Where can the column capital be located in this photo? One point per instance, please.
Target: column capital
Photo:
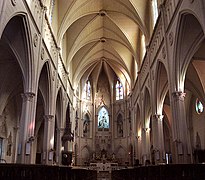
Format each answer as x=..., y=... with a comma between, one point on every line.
x=158, y=117
x=146, y=129
x=179, y=95
x=28, y=96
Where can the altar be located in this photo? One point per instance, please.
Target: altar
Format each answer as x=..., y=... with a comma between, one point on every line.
x=103, y=167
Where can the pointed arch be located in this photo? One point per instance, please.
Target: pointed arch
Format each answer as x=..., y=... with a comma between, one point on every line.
x=19, y=41
x=59, y=108
x=188, y=41
x=86, y=125
x=44, y=85
x=147, y=107
x=103, y=118
x=161, y=86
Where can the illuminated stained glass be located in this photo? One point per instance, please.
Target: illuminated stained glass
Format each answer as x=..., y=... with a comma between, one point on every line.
x=87, y=90
x=52, y=4
x=199, y=106
x=119, y=90
x=103, y=118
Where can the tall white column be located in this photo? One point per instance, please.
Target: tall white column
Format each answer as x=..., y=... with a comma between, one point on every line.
x=181, y=139
x=145, y=144
x=15, y=145
x=58, y=149
x=25, y=127
x=48, y=139
x=158, y=137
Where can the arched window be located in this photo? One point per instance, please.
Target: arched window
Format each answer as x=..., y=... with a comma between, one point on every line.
x=199, y=106
x=119, y=90
x=51, y=9
x=154, y=11
x=103, y=119
x=87, y=91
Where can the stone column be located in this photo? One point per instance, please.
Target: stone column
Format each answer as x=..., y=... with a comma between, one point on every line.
x=147, y=133
x=59, y=146
x=15, y=145
x=47, y=140
x=145, y=144
x=181, y=139
x=26, y=126
x=158, y=137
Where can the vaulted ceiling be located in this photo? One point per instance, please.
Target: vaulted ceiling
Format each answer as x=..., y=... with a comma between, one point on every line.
x=98, y=34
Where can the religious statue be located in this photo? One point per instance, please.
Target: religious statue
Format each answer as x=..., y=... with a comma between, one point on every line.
x=198, y=141
x=9, y=145
x=85, y=127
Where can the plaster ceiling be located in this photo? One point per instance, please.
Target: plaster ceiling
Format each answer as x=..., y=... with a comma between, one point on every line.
x=102, y=34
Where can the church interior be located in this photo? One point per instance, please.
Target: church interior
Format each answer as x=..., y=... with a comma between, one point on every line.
x=102, y=85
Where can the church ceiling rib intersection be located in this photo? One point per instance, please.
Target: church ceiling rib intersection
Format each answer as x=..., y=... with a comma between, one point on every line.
x=102, y=33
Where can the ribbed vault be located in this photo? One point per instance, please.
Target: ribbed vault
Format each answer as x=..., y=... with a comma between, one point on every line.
x=102, y=34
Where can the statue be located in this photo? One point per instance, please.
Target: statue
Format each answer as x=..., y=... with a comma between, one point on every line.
x=198, y=141
x=9, y=145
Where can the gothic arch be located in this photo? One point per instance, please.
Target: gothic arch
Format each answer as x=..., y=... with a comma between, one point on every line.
x=106, y=107
x=120, y=151
x=44, y=85
x=161, y=86
x=15, y=58
x=59, y=108
x=86, y=153
x=147, y=108
x=22, y=50
x=102, y=117
x=167, y=133
x=86, y=125
x=188, y=41
x=138, y=121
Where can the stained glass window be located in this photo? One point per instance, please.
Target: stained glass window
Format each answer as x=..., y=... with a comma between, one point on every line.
x=52, y=4
x=103, y=118
x=119, y=90
x=199, y=106
x=87, y=90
